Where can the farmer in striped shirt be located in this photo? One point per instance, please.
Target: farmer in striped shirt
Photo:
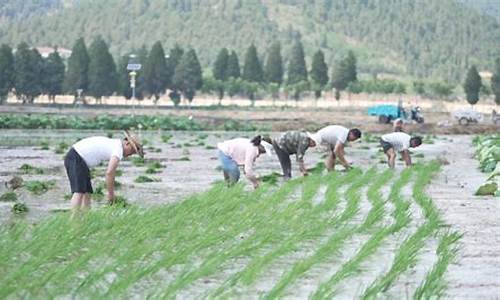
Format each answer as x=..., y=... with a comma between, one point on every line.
x=399, y=142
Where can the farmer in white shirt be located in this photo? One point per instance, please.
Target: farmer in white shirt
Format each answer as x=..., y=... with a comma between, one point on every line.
x=240, y=152
x=90, y=152
x=334, y=138
x=399, y=142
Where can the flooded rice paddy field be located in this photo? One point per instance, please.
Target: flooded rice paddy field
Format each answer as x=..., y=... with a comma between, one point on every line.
x=190, y=164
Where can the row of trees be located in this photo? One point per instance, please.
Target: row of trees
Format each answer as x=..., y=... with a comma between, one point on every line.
x=95, y=72
x=473, y=84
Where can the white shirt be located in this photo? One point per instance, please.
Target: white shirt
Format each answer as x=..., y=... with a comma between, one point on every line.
x=242, y=151
x=97, y=149
x=332, y=135
x=399, y=140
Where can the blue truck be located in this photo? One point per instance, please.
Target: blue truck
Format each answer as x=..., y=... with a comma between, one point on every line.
x=387, y=113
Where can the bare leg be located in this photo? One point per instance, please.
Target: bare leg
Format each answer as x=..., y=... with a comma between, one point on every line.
x=391, y=156
x=76, y=201
x=330, y=161
x=226, y=177
x=86, y=201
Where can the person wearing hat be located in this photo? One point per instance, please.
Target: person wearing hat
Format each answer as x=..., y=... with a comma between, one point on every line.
x=334, y=138
x=240, y=152
x=292, y=142
x=90, y=152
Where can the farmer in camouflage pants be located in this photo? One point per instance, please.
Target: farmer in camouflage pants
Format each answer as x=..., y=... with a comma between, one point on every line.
x=292, y=142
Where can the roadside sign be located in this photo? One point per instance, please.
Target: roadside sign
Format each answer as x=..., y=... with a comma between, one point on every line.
x=134, y=67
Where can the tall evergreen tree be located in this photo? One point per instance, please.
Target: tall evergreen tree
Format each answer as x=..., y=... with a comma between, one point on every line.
x=252, y=69
x=53, y=75
x=124, y=78
x=103, y=79
x=7, y=72
x=219, y=70
x=233, y=65
x=297, y=70
x=28, y=73
x=351, y=66
x=156, y=74
x=472, y=85
x=319, y=73
x=140, y=89
x=77, y=71
x=495, y=82
x=188, y=75
x=173, y=60
x=274, y=65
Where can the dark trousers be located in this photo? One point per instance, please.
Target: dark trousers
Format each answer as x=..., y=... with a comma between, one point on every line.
x=284, y=157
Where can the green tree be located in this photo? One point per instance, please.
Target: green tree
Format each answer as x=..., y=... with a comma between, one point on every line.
x=155, y=72
x=7, y=72
x=495, y=82
x=28, y=73
x=233, y=65
x=219, y=69
x=351, y=67
x=78, y=67
x=274, y=65
x=472, y=85
x=220, y=72
x=319, y=73
x=252, y=69
x=140, y=90
x=103, y=79
x=124, y=78
x=53, y=75
x=297, y=70
x=174, y=57
x=188, y=75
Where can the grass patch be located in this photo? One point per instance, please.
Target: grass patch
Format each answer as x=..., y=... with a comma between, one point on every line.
x=29, y=169
x=8, y=197
x=39, y=187
x=146, y=179
x=19, y=208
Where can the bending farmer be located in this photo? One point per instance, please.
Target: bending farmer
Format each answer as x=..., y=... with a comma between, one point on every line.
x=399, y=142
x=240, y=152
x=90, y=152
x=335, y=137
x=292, y=142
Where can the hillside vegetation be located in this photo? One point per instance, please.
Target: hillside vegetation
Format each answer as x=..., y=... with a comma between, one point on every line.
x=422, y=38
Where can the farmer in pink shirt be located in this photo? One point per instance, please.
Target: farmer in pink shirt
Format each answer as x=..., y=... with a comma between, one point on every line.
x=240, y=152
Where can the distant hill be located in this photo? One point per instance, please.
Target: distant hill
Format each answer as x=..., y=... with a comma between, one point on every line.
x=488, y=7
x=422, y=38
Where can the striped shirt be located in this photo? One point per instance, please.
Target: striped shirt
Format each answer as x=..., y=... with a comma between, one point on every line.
x=400, y=141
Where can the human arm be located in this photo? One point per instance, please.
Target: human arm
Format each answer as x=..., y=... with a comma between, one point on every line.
x=406, y=157
x=110, y=178
x=339, y=152
x=248, y=168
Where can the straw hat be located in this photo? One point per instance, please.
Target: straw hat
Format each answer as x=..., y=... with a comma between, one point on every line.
x=135, y=142
x=268, y=148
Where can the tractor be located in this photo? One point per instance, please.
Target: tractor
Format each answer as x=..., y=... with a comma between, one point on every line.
x=387, y=113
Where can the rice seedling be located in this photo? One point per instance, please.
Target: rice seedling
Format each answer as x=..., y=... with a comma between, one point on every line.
x=210, y=147
x=19, y=208
x=8, y=197
x=138, y=161
x=44, y=145
x=146, y=179
x=61, y=148
x=29, y=169
x=39, y=187
x=159, y=252
x=166, y=137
